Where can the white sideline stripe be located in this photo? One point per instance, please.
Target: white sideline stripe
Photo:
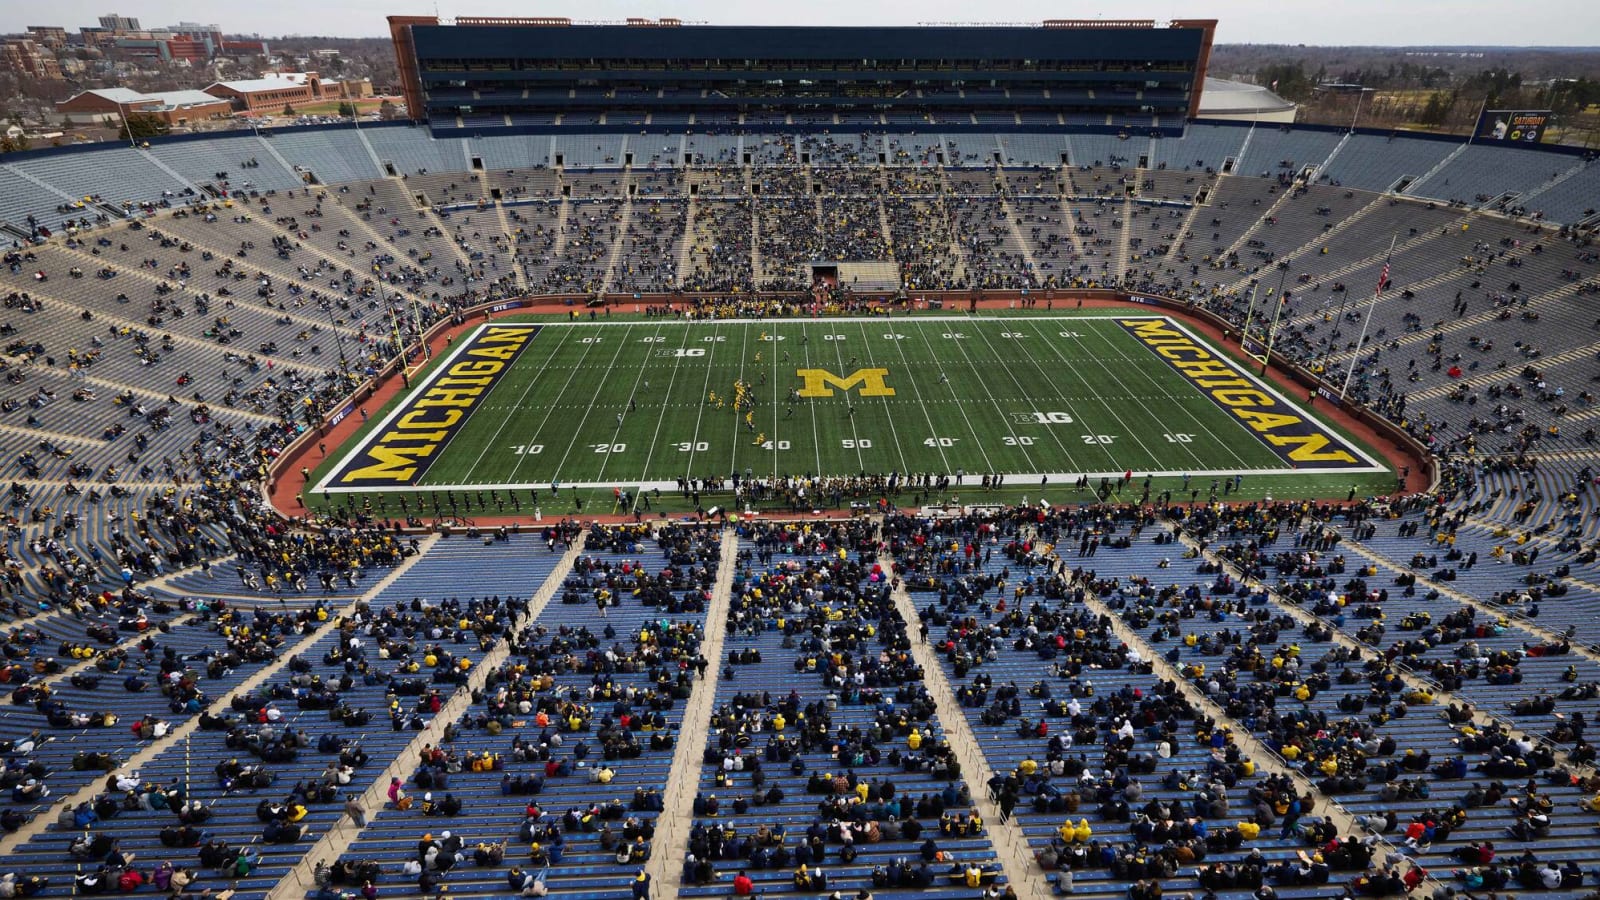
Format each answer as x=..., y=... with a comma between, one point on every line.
x=1052, y=478
x=1022, y=480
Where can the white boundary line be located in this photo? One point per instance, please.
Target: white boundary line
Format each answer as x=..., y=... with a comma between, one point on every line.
x=1048, y=478
x=1056, y=478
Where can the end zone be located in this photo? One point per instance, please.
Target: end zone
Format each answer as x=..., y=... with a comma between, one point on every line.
x=399, y=451
x=1296, y=437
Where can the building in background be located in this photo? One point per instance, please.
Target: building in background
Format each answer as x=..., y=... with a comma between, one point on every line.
x=269, y=94
x=176, y=108
x=24, y=58
x=115, y=23
x=246, y=47
x=50, y=36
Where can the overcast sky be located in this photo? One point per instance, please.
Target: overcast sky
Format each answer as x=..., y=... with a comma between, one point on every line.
x=1385, y=22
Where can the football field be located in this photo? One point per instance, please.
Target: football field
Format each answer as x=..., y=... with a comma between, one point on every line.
x=641, y=404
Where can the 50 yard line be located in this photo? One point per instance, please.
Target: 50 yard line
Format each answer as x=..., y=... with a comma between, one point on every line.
x=894, y=433
x=816, y=438
x=838, y=354
x=776, y=429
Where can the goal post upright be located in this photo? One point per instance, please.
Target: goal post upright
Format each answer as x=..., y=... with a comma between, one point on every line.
x=1249, y=317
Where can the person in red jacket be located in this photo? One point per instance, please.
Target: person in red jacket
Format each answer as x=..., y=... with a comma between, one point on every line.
x=742, y=885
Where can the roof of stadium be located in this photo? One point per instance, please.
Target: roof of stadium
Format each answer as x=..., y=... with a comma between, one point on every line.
x=1222, y=97
x=167, y=99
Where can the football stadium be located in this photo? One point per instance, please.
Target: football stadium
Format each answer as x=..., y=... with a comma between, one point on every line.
x=695, y=461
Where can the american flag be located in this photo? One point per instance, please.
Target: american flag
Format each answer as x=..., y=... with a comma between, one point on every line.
x=1383, y=278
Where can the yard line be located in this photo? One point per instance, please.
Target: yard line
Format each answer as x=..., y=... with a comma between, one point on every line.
x=577, y=431
x=777, y=431
x=655, y=438
x=1021, y=390
x=733, y=447
x=922, y=405
x=816, y=437
x=638, y=377
x=890, y=413
x=495, y=439
x=1109, y=408
x=1052, y=477
x=973, y=432
x=1070, y=409
x=838, y=353
x=1141, y=366
x=705, y=392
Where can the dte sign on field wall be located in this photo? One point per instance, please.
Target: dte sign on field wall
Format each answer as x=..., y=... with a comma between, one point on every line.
x=406, y=443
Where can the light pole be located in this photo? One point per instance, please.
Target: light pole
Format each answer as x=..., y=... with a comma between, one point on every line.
x=338, y=339
x=122, y=110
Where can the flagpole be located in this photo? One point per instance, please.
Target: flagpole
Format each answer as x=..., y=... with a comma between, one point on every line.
x=1482, y=108
x=1383, y=282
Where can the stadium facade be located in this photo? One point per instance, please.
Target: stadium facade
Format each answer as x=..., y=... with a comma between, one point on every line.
x=483, y=75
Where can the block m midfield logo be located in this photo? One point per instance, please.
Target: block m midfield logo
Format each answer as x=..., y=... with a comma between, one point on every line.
x=820, y=382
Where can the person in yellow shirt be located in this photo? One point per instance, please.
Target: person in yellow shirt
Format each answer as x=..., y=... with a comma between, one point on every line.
x=914, y=739
x=1249, y=830
x=1083, y=832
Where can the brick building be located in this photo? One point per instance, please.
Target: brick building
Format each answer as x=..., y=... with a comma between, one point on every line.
x=172, y=107
x=23, y=57
x=269, y=94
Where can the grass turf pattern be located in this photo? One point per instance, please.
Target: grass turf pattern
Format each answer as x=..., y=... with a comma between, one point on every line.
x=642, y=403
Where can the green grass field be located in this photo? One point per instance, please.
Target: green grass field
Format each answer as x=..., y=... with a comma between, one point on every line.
x=1052, y=398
